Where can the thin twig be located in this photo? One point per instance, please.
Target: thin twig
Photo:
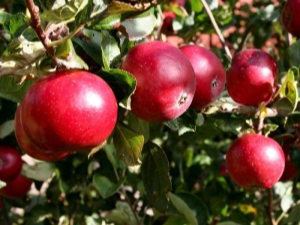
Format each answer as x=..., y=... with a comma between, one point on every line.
x=36, y=25
x=217, y=29
x=269, y=207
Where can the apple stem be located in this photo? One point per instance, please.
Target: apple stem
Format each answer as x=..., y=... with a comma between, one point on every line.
x=35, y=23
x=269, y=207
x=216, y=27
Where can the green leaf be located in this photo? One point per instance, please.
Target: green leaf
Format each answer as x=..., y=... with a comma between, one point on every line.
x=134, y=28
x=293, y=54
x=15, y=24
x=139, y=125
x=122, y=83
x=9, y=89
x=196, y=5
x=112, y=157
x=294, y=216
x=176, y=220
x=4, y=16
x=64, y=12
x=155, y=175
x=105, y=187
x=110, y=48
x=123, y=214
x=118, y=7
x=288, y=93
x=108, y=23
x=68, y=56
x=187, y=122
x=228, y=223
x=40, y=171
x=183, y=208
x=6, y=128
x=196, y=205
x=128, y=144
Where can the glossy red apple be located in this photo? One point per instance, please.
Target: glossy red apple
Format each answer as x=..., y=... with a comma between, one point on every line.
x=166, y=81
x=255, y=161
x=290, y=17
x=30, y=149
x=210, y=75
x=68, y=110
x=252, y=77
x=10, y=163
x=16, y=188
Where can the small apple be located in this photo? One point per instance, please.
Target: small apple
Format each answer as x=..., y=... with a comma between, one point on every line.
x=166, y=81
x=290, y=17
x=255, y=161
x=30, y=149
x=10, y=163
x=252, y=77
x=67, y=111
x=210, y=75
x=167, y=26
x=16, y=188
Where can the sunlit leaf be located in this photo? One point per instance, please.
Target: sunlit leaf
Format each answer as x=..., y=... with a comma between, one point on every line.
x=128, y=144
x=41, y=171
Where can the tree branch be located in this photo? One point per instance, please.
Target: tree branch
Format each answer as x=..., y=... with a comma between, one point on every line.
x=216, y=27
x=35, y=23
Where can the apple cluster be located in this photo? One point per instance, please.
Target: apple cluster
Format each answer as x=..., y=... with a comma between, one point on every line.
x=11, y=163
x=64, y=112
x=170, y=80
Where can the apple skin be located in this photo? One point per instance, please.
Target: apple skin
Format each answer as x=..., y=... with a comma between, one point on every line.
x=210, y=75
x=16, y=188
x=255, y=161
x=10, y=163
x=290, y=17
x=166, y=81
x=30, y=149
x=290, y=170
x=68, y=111
x=252, y=77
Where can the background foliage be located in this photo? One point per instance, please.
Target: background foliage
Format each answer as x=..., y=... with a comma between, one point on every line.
x=170, y=173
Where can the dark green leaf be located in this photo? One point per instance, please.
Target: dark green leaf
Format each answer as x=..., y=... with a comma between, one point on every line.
x=128, y=144
x=105, y=187
x=176, y=220
x=122, y=83
x=294, y=215
x=139, y=125
x=293, y=54
x=187, y=122
x=155, y=175
x=4, y=16
x=6, y=128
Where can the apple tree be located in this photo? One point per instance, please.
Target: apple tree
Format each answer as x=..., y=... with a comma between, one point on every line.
x=149, y=112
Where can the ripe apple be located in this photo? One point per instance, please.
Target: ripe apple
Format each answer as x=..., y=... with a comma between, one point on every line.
x=290, y=170
x=30, y=149
x=167, y=26
x=166, y=81
x=68, y=111
x=290, y=17
x=210, y=75
x=10, y=163
x=255, y=161
x=252, y=77
x=16, y=188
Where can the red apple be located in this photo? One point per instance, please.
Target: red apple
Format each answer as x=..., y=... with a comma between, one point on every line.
x=210, y=75
x=68, y=111
x=30, y=149
x=255, y=161
x=16, y=188
x=179, y=2
x=166, y=81
x=10, y=163
x=167, y=26
x=290, y=17
x=252, y=77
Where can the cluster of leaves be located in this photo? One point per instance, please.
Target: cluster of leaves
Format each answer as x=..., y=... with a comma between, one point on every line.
x=147, y=173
